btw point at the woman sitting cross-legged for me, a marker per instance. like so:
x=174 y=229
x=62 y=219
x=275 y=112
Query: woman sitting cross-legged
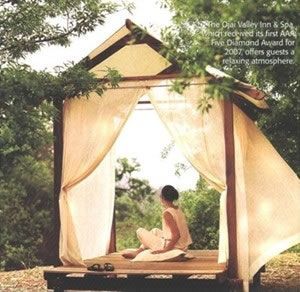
x=174 y=234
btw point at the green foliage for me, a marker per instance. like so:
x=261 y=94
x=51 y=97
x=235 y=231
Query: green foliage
x=190 y=37
x=138 y=207
x=147 y=216
x=25 y=211
x=128 y=185
x=22 y=86
x=201 y=207
x=135 y=204
x=294 y=249
x=25 y=169
x=26 y=25
x=189 y=41
x=281 y=126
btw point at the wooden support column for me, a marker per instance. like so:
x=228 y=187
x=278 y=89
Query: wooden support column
x=113 y=239
x=231 y=189
x=58 y=155
x=257 y=277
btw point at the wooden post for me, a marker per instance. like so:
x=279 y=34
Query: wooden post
x=113 y=239
x=230 y=182
x=257 y=276
x=58 y=154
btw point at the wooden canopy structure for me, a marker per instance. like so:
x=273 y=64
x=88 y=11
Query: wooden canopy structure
x=130 y=48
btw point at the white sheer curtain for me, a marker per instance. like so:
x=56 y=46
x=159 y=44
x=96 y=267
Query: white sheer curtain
x=267 y=190
x=272 y=193
x=92 y=209
x=91 y=126
x=200 y=138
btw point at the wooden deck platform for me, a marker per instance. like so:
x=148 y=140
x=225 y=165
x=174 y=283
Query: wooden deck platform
x=134 y=276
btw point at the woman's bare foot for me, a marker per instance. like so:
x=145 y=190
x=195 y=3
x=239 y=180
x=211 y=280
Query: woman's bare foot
x=132 y=254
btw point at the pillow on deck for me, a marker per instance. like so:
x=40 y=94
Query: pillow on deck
x=174 y=255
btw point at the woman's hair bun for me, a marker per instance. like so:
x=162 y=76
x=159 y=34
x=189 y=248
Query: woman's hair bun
x=169 y=193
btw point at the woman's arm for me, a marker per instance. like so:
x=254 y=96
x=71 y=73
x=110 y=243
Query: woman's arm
x=175 y=234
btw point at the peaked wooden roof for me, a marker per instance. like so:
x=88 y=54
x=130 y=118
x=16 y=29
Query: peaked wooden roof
x=141 y=56
x=129 y=34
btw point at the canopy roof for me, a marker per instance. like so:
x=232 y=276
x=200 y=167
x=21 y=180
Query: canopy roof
x=139 y=56
x=132 y=51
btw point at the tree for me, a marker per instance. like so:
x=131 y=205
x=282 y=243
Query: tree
x=135 y=204
x=201 y=206
x=197 y=25
x=25 y=26
x=26 y=114
x=134 y=188
x=133 y=210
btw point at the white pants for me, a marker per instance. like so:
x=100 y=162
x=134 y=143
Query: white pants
x=151 y=239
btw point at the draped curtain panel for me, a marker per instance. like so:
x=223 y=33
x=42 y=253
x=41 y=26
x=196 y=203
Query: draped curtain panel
x=92 y=209
x=91 y=126
x=200 y=138
x=272 y=193
x=267 y=190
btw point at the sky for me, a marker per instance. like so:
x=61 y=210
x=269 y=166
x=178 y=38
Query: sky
x=147 y=13
x=144 y=136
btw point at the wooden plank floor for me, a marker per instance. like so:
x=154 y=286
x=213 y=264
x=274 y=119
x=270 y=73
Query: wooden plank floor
x=204 y=263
